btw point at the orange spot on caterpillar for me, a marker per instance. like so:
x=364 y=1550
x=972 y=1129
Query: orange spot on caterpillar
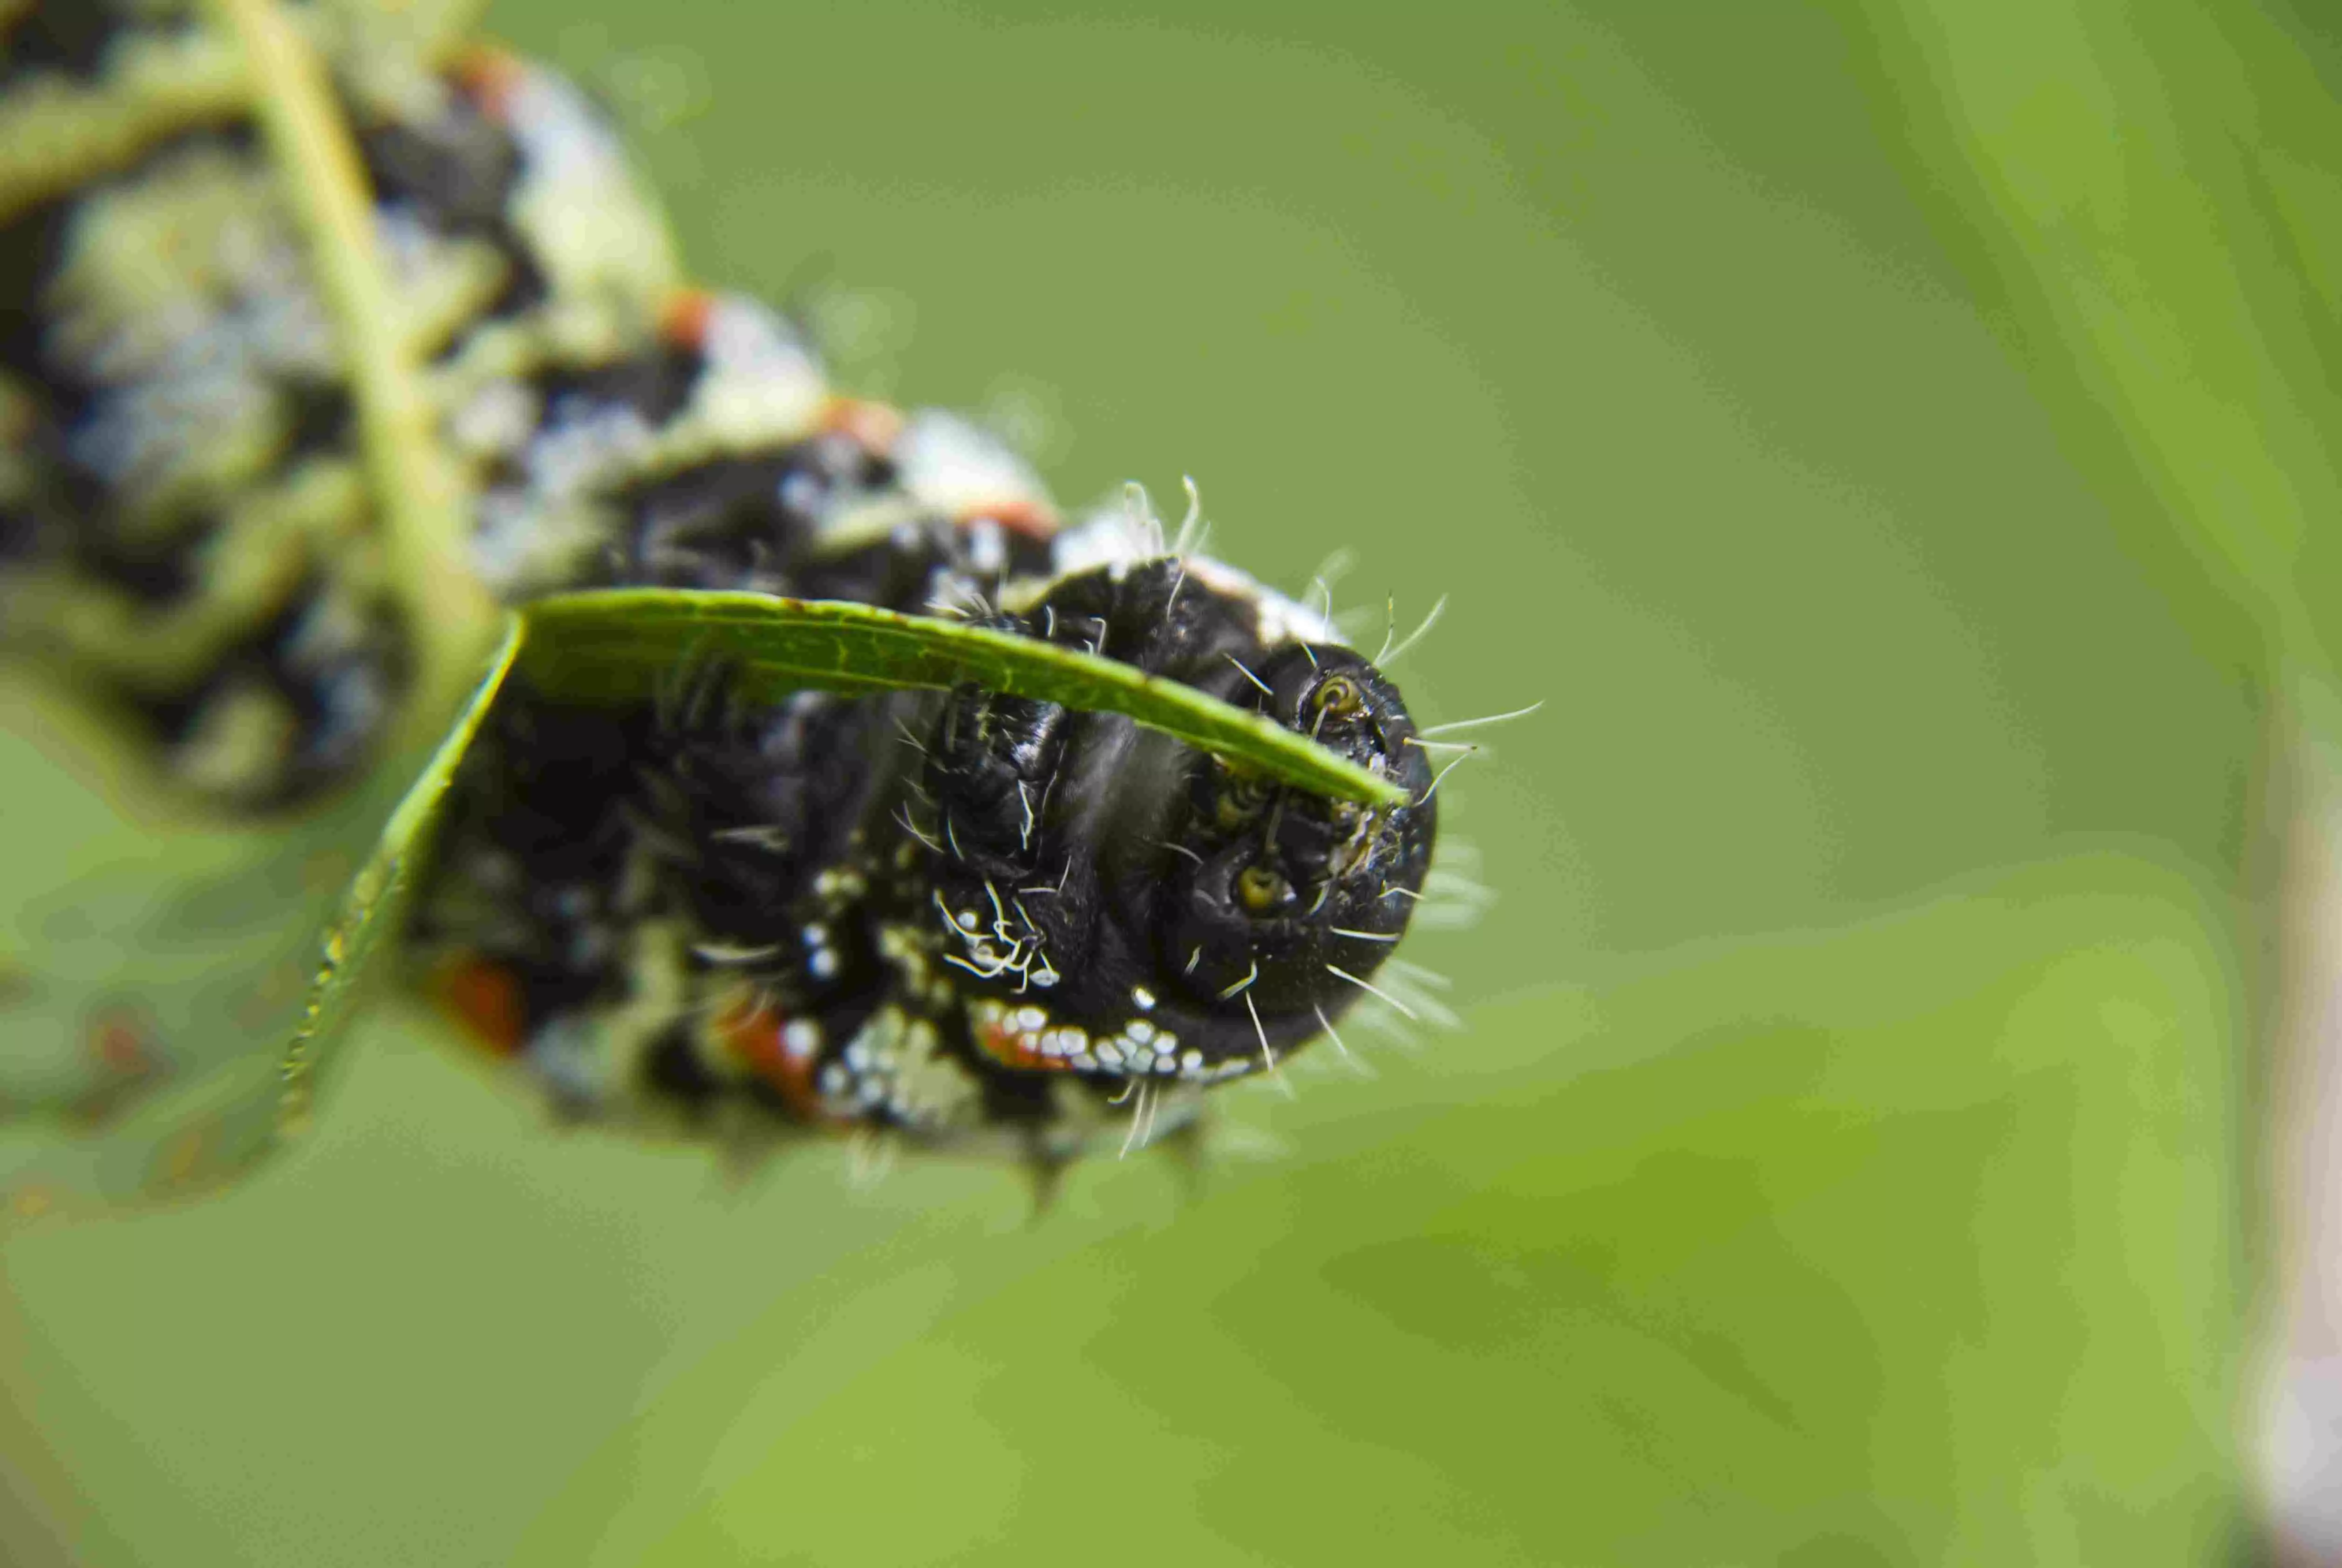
x=483 y=998
x=684 y=319
x=1027 y=517
x=871 y=425
x=753 y=1034
x=490 y=78
x=1001 y=1039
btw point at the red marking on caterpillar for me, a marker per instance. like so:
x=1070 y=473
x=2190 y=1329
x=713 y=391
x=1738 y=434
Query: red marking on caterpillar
x=685 y=319
x=483 y=999
x=756 y=1035
x=491 y=78
x=1025 y=517
x=874 y=426
x=1001 y=1039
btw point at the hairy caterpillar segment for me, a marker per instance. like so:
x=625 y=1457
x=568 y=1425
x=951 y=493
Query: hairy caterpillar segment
x=1123 y=905
x=952 y=915
x=701 y=911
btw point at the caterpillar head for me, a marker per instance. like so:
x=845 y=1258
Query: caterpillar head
x=1272 y=883
x=1118 y=904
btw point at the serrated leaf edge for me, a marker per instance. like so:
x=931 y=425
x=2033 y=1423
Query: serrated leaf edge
x=377 y=894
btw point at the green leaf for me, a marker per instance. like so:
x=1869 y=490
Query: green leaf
x=149 y=968
x=377 y=898
x=154 y=951
x=613 y=643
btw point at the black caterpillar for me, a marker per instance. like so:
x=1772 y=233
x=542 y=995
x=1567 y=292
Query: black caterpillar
x=952 y=915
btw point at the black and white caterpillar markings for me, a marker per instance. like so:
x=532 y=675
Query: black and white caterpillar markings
x=951 y=916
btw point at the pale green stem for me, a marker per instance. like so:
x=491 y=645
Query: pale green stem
x=450 y=615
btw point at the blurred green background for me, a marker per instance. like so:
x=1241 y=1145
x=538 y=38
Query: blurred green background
x=1890 y=439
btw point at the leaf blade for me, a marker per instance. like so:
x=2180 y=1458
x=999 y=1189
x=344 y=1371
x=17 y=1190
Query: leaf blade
x=604 y=640
x=378 y=895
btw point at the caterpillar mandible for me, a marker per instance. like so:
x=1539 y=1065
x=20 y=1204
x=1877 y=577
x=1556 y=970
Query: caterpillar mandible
x=959 y=917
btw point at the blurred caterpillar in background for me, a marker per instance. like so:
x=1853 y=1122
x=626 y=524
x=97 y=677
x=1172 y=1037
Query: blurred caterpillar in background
x=958 y=916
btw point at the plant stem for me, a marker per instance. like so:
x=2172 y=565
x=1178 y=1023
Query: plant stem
x=449 y=612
